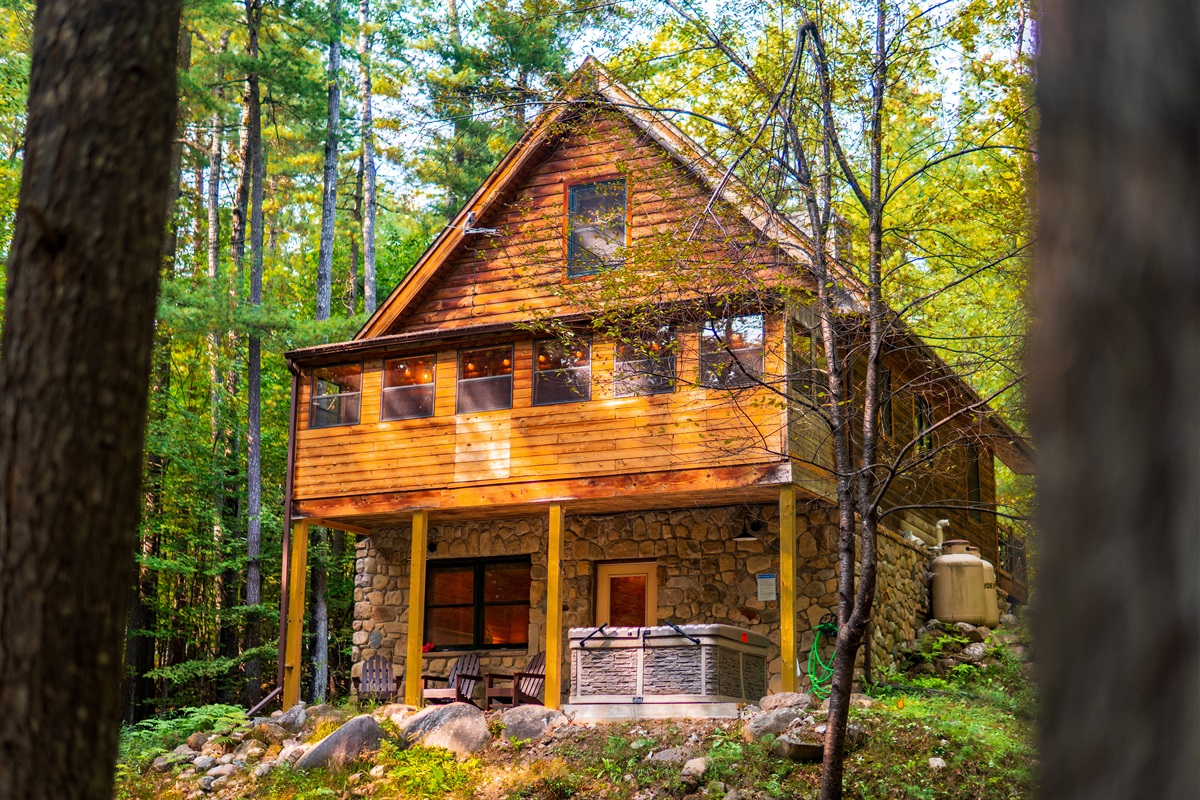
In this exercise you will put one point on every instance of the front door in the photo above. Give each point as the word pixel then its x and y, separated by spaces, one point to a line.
pixel 627 594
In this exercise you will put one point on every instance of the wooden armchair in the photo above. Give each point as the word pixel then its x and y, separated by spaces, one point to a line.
pixel 524 686
pixel 377 681
pixel 460 683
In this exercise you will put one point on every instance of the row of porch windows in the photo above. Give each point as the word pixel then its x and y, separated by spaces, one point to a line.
pixel 731 356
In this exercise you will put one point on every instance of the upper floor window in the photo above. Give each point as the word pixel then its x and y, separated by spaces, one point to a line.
pixel 562 371
pixel 485 379
pixel 476 604
pixel 974 496
pixel 595 227
pixel 336 396
pixel 922 421
pixel 731 351
pixel 646 364
pixel 408 389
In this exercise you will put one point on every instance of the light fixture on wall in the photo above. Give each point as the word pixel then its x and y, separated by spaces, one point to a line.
pixel 749 528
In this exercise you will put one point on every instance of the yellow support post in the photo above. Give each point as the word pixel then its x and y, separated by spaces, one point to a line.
pixel 295 621
pixel 416 608
pixel 787 586
pixel 554 608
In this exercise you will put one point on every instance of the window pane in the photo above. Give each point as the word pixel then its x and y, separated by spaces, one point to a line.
pixel 484 363
pixel 484 394
pixel 732 333
pixel 451 626
pixel 731 351
pixel 450 585
pixel 596 226
pixel 627 600
pixel 506 625
pixel 408 402
pixel 646 366
pixel 337 380
pixel 556 354
pixel 408 371
pixel 506 582
pixel 562 386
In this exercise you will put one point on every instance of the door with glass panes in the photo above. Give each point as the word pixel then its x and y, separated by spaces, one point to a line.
pixel 627 594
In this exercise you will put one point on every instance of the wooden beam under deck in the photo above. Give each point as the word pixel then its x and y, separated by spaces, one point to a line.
pixel 295 620
pixel 711 486
pixel 416 609
pixel 554 632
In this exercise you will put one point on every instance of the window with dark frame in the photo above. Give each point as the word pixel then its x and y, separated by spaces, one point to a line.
pixel 646 364
pixel 408 387
pixel 562 370
pixel 485 380
pixel 481 603
pixel 922 420
pixel 731 351
pixel 595 227
pixel 974 496
pixel 336 396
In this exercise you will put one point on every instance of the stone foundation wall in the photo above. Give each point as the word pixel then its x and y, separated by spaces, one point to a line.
pixel 703 577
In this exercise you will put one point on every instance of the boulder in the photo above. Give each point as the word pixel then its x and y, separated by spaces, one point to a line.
pixel 973 652
pixel 937 763
pixel 785 700
pixel 198 739
pixel 788 746
pixel 769 722
pixel 530 722
pixel 458 727
pixel 269 732
pixel 251 750
pixel 861 701
pixel 1008 620
pixel 401 710
pixel 693 771
pixel 221 770
pixel 970 632
pixel 204 762
pixel 263 769
pixel 166 763
pixel 290 755
pixel 206 783
pixel 185 752
pixel 293 719
pixel 346 744
pixel 672 755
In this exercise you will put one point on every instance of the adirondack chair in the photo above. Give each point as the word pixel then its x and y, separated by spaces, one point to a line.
pixel 524 686
pixel 460 683
pixel 377 681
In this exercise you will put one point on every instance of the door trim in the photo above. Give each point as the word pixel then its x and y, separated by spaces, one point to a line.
pixel 612 569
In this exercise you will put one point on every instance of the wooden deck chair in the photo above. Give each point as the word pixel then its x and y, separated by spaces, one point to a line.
pixel 525 685
pixel 460 683
pixel 377 681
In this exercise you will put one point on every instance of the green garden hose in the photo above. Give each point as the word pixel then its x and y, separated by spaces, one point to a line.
pixel 821 672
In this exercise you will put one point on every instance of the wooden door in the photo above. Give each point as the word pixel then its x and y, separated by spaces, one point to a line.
pixel 627 594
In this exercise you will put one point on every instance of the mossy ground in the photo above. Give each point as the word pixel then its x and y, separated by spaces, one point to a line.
pixel 978 719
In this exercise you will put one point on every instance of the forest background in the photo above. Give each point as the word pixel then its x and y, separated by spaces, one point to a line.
pixel 451 85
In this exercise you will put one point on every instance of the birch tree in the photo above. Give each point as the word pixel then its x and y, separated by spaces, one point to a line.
pixel 365 41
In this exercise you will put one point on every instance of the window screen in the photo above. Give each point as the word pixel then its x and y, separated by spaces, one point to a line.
pixel 562 371
pixel 595 227
pixel 485 379
pixel 646 365
pixel 731 351
pixel 408 387
pixel 336 394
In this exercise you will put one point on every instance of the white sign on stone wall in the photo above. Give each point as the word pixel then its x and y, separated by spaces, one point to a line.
pixel 766 586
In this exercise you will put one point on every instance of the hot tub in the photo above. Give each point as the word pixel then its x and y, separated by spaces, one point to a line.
pixel 665 671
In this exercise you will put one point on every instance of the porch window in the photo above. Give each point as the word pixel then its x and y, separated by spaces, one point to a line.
pixel 562 371
pixel 336 395
pixel 595 227
pixel 646 365
pixel 477 604
pixel 408 389
pixel 731 351
pixel 485 379
pixel 974 496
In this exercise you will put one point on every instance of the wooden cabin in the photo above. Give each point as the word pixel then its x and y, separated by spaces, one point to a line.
pixel 508 484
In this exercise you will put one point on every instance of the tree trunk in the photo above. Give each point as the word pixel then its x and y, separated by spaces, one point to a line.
pixel 329 192
pixel 73 382
pixel 368 155
pixel 1116 365
pixel 254 374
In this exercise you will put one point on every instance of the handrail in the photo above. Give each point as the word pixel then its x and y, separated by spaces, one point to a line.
pixel 600 629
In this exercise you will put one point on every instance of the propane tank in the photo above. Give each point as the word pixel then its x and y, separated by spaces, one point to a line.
pixel 958 580
pixel 991 603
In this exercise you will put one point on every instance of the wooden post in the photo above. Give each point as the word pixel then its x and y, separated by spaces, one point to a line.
pixel 554 608
pixel 295 624
pixel 787 586
pixel 416 608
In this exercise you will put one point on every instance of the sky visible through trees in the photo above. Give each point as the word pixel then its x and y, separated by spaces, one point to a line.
pixel 454 83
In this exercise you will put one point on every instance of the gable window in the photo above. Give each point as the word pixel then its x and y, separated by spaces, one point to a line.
pixel 731 351
pixel 922 420
pixel 595 227
pixel 477 603
pixel 408 389
pixel 973 493
pixel 336 395
pixel 485 379
pixel 646 364
pixel 562 371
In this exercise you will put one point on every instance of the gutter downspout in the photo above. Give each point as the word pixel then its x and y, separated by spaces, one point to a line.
pixel 942 524
pixel 287 538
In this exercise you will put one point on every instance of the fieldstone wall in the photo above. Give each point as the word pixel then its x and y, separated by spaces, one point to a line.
pixel 703 577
